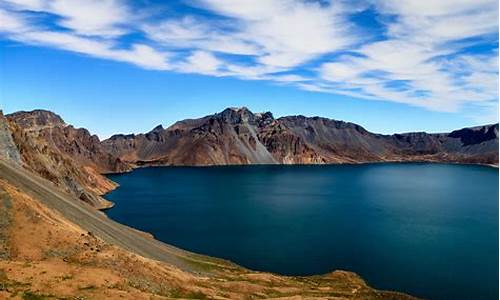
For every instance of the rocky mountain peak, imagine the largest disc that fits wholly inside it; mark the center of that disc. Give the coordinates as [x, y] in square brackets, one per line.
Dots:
[237, 115]
[158, 128]
[36, 119]
[265, 118]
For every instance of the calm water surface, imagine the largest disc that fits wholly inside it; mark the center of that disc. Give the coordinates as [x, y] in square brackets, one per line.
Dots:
[430, 230]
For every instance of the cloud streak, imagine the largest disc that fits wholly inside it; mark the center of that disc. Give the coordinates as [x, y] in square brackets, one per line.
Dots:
[440, 55]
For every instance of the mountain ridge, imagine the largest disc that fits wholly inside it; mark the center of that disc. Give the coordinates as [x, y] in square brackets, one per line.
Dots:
[233, 133]
[75, 160]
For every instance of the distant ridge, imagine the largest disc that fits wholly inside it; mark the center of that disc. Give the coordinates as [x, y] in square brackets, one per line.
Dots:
[74, 159]
[238, 136]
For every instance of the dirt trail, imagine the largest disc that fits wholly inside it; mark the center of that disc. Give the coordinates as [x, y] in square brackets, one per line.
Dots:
[101, 226]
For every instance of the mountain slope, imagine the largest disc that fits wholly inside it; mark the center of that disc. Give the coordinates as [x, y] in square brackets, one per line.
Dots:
[238, 136]
[229, 137]
[69, 157]
[77, 143]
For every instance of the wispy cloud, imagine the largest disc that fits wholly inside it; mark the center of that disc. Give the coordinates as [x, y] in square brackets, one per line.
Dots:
[413, 63]
[288, 33]
[195, 33]
[86, 17]
[440, 55]
[88, 29]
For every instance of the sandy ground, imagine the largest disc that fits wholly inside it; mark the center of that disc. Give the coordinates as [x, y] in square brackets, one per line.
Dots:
[46, 254]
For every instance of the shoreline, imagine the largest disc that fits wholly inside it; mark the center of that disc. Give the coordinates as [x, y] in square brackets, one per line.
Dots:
[135, 167]
[153, 165]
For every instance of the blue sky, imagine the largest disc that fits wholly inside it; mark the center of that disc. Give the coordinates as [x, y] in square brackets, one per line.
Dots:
[117, 66]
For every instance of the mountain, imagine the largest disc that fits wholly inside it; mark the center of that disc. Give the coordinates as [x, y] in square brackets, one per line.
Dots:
[69, 157]
[77, 143]
[75, 160]
[238, 136]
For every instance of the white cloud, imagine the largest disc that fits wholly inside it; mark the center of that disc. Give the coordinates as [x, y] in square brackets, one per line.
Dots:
[277, 33]
[288, 33]
[92, 24]
[12, 22]
[201, 62]
[138, 54]
[92, 17]
[34, 5]
[189, 32]
[340, 71]
[421, 59]
[86, 17]
[432, 8]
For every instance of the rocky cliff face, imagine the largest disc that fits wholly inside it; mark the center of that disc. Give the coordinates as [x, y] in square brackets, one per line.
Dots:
[8, 149]
[468, 145]
[238, 136]
[229, 137]
[69, 157]
[76, 143]
[233, 136]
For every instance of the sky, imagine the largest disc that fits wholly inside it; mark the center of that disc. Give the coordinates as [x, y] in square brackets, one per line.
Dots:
[123, 66]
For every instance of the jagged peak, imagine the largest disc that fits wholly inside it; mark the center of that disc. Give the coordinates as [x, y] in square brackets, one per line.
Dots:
[265, 115]
[158, 128]
[235, 115]
[234, 109]
[238, 109]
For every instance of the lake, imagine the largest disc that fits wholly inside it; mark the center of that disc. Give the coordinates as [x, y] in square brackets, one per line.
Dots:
[430, 230]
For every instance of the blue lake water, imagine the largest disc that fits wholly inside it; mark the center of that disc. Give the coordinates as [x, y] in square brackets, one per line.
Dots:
[430, 230]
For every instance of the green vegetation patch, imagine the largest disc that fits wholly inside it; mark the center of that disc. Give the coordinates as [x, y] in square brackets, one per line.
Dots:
[29, 295]
[87, 288]
[183, 294]
[67, 277]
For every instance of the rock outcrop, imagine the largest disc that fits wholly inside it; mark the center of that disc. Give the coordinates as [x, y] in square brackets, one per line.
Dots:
[69, 157]
[8, 149]
[229, 137]
[238, 136]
